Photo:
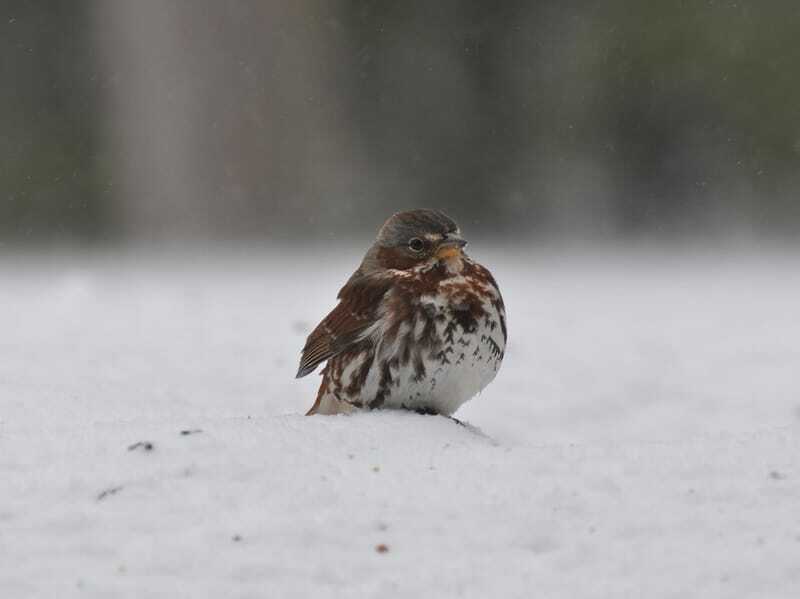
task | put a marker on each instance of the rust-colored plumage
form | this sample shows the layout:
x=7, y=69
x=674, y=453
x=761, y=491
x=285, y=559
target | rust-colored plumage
x=418, y=326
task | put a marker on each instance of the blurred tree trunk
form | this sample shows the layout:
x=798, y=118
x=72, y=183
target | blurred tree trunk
x=224, y=115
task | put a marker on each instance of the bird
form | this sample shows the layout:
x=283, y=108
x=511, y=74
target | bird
x=419, y=325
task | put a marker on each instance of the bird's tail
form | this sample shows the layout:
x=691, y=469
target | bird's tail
x=327, y=403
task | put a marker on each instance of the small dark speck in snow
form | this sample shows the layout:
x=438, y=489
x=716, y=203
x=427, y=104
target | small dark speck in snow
x=108, y=493
x=143, y=445
x=382, y=548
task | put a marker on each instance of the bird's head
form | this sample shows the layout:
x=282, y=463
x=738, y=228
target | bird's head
x=416, y=237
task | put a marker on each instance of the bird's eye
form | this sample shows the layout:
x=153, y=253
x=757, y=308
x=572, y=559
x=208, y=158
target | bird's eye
x=416, y=244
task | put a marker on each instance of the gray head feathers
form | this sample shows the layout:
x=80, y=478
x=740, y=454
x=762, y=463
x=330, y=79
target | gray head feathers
x=415, y=223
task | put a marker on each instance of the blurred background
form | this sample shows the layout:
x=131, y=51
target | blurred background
x=160, y=121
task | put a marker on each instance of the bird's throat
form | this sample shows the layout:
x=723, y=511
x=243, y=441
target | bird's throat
x=448, y=252
x=451, y=258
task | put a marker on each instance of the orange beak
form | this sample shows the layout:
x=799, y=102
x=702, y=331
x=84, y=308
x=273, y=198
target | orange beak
x=450, y=248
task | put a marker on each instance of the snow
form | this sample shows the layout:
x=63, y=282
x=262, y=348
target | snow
x=642, y=438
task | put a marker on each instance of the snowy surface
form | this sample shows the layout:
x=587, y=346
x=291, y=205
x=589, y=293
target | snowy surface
x=641, y=440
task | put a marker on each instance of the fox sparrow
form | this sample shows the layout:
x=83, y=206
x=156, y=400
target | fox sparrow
x=419, y=325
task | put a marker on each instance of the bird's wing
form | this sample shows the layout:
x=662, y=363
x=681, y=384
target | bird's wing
x=347, y=323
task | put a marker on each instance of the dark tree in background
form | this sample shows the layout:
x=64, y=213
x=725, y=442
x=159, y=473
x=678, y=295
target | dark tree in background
x=50, y=169
x=434, y=101
x=260, y=119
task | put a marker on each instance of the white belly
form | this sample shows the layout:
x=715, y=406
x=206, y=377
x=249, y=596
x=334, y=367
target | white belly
x=456, y=370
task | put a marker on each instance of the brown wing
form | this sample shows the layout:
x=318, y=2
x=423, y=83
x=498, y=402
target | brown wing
x=344, y=326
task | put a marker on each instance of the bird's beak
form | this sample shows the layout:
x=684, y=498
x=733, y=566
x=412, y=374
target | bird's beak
x=450, y=247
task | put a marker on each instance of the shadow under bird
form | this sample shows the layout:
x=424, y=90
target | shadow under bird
x=419, y=325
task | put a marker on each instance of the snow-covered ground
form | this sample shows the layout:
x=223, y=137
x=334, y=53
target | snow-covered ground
x=641, y=440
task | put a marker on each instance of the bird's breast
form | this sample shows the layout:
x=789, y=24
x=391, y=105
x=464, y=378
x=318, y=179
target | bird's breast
x=439, y=349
